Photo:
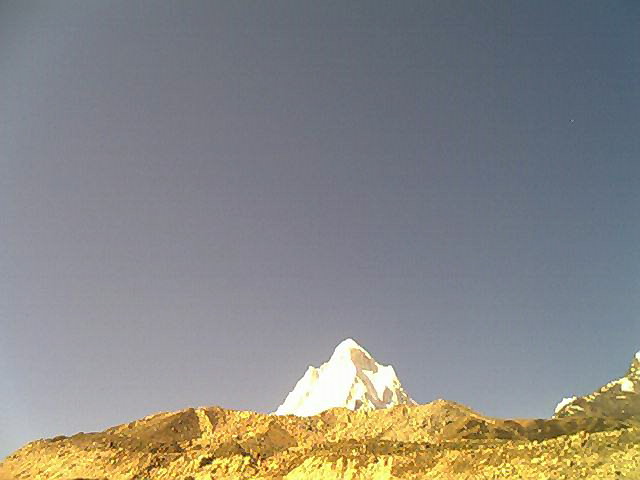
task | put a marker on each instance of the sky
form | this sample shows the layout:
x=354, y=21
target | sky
x=200, y=199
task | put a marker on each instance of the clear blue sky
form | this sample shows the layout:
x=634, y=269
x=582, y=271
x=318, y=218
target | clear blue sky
x=200, y=199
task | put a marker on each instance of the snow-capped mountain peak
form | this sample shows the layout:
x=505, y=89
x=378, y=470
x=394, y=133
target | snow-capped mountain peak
x=351, y=379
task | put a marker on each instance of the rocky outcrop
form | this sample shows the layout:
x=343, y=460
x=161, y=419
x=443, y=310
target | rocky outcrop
x=618, y=399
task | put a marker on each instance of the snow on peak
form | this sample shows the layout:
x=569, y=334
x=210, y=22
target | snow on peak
x=347, y=345
x=564, y=402
x=627, y=385
x=351, y=379
x=638, y=356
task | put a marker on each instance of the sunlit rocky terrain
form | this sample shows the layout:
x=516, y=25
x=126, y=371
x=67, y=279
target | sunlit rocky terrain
x=595, y=437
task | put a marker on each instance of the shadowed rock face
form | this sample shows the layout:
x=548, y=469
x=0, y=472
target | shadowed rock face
x=618, y=399
x=441, y=439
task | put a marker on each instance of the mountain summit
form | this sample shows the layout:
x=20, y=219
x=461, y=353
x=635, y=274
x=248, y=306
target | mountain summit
x=351, y=379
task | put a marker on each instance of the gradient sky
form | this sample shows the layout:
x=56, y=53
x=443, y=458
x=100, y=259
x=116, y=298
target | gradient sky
x=199, y=200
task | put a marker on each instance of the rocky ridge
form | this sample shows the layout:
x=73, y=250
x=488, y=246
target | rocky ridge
x=438, y=440
x=618, y=399
x=592, y=437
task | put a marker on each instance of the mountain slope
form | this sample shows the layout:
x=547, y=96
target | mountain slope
x=351, y=379
x=618, y=399
x=593, y=437
x=441, y=439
